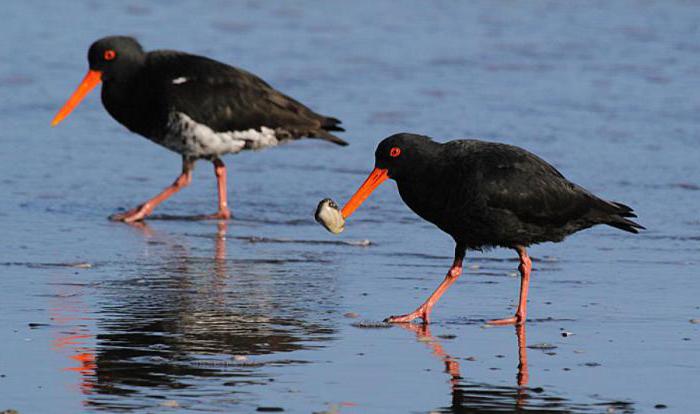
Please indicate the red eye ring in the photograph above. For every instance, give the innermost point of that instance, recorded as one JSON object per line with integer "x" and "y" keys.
{"x": 395, "y": 152}
{"x": 110, "y": 54}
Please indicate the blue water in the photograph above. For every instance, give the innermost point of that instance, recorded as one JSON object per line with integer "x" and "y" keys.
{"x": 203, "y": 316}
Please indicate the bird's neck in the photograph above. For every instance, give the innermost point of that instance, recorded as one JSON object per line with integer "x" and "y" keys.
{"x": 421, "y": 187}
{"x": 126, "y": 98}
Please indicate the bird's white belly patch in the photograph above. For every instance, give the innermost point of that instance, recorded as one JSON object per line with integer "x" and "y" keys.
{"x": 193, "y": 139}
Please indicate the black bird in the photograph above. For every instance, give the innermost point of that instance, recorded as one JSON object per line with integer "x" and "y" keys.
{"x": 195, "y": 106}
{"x": 484, "y": 195}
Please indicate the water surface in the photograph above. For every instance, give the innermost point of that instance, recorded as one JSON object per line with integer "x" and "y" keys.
{"x": 266, "y": 311}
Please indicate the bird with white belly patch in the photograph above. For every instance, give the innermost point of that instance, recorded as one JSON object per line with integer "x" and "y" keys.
{"x": 195, "y": 106}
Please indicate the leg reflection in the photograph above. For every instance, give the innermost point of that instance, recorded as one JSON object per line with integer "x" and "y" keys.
{"x": 220, "y": 244}
{"x": 523, "y": 375}
{"x": 423, "y": 334}
{"x": 452, "y": 367}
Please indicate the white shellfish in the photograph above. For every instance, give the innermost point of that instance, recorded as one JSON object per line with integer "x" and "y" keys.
{"x": 329, "y": 215}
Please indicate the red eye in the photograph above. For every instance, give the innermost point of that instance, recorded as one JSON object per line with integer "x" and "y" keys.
{"x": 110, "y": 54}
{"x": 395, "y": 152}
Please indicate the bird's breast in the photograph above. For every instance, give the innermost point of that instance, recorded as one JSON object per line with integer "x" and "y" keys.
{"x": 452, "y": 207}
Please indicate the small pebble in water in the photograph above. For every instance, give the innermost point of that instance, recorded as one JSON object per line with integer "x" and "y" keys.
{"x": 329, "y": 215}
{"x": 269, "y": 409}
{"x": 543, "y": 346}
{"x": 660, "y": 406}
{"x": 170, "y": 404}
{"x": 371, "y": 325}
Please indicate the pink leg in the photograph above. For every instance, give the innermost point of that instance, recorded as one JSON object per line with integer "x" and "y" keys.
{"x": 220, "y": 170}
{"x": 423, "y": 310}
{"x": 521, "y": 314}
{"x": 140, "y": 212}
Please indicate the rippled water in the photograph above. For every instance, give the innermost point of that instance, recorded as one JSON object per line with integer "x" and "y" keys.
{"x": 270, "y": 311}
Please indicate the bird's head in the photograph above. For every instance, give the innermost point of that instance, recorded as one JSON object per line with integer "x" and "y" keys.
{"x": 398, "y": 157}
{"x": 400, "y": 154}
{"x": 115, "y": 54}
{"x": 109, "y": 58}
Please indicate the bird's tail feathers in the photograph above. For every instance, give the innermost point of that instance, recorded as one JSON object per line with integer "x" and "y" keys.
{"x": 626, "y": 225}
{"x": 618, "y": 215}
{"x": 332, "y": 124}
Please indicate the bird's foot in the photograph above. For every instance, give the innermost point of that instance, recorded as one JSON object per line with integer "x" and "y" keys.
{"x": 513, "y": 320}
{"x": 420, "y": 313}
{"x": 135, "y": 214}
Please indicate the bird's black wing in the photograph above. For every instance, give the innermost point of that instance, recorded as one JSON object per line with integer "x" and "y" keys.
{"x": 226, "y": 98}
{"x": 536, "y": 193}
{"x": 523, "y": 184}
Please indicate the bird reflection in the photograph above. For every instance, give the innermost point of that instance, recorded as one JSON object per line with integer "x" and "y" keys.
{"x": 466, "y": 397}
{"x": 74, "y": 339}
{"x": 472, "y": 397}
{"x": 177, "y": 316}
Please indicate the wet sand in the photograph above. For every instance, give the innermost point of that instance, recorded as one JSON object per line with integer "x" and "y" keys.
{"x": 270, "y": 311}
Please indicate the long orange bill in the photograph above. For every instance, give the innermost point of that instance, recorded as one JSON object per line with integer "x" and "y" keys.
{"x": 92, "y": 79}
{"x": 376, "y": 177}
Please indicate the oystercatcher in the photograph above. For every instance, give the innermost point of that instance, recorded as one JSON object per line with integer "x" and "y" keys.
{"x": 195, "y": 106}
{"x": 485, "y": 195}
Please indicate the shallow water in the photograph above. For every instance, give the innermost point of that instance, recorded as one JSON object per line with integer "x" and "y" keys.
{"x": 270, "y": 310}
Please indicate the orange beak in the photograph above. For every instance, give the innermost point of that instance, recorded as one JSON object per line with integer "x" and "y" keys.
{"x": 92, "y": 79}
{"x": 376, "y": 177}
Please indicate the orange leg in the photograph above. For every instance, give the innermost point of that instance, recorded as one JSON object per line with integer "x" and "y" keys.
{"x": 423, "y": 310}
{"x": 220, "y": 170}
{"x": 140, "y": 212}
{"x": 521, "y": 314}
